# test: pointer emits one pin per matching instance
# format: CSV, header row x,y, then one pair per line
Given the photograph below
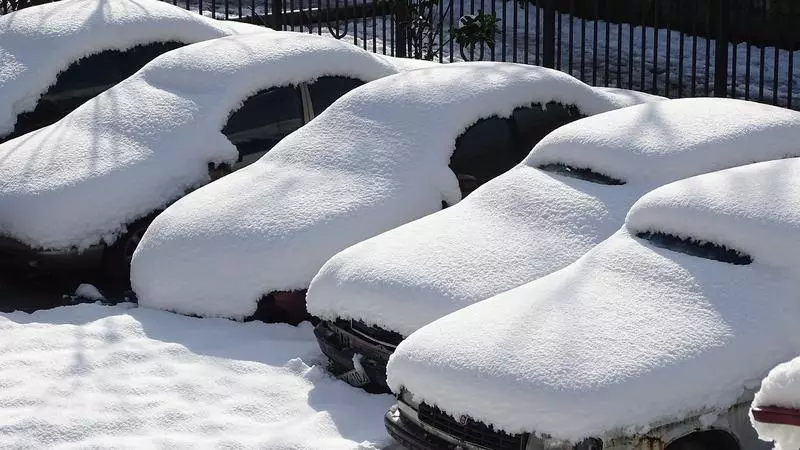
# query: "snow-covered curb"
x,y
94,376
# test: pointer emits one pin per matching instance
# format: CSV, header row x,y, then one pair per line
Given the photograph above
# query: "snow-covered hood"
x,y
38,43
375,159
146,141
780,388
529,223
641,333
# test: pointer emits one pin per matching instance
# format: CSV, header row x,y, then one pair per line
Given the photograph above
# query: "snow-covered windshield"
x,y
584,174
701,249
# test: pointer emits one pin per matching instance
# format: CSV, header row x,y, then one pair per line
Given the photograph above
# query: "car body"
x,y
531,221
775,411
57,56
82,191
382,155
652,339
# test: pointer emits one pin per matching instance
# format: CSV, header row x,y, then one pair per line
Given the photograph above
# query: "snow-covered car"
x,y
384,154
655,338
775,411
571,193
54,57
81,192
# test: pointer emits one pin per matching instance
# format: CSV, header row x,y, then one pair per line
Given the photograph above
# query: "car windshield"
x,y
584,174
708,250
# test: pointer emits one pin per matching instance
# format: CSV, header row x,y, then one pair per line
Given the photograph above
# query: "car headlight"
x,y
408,398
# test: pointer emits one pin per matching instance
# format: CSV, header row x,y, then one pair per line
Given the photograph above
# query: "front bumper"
x,y
341,346
15,254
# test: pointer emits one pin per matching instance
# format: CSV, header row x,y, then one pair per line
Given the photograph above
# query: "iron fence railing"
x,y
677,48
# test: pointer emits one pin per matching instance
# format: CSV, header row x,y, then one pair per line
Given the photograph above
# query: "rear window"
x,y
707,250
327,90
534,122
584,174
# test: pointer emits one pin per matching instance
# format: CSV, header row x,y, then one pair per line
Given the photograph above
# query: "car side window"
x,y
264,119
85,79
708,250
484,151
532,123
327,90
580,173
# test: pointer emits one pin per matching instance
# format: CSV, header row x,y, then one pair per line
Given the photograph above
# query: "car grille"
x,y
471,431
377,334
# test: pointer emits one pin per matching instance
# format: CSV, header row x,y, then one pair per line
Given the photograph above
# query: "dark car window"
x,y
584,174
708,250
326,90
534,122
84,79
264,119
483,152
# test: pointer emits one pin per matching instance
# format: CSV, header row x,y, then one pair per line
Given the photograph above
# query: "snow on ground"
x,y
642,333
39,42
375,159
529,222
91,376
780,388
143,143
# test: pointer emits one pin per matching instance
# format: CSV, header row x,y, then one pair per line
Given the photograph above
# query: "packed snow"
x,y
529,223
89,291
641,333
780,388
375,159
38,43
91,376
146,141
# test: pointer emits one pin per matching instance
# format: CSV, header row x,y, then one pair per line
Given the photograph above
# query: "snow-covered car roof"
x,y
38,43
780,388
146,141
529,222
637,331
375,159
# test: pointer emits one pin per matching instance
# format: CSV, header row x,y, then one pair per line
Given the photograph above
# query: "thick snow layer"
x,y
780,388
529,223
90,376
375,159
641,333
86,290
39,42
146,141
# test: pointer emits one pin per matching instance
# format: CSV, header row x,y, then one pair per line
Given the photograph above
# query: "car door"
x,y
263,120
85,79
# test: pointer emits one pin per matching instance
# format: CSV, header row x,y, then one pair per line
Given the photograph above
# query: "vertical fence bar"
x,y
502,35
594,44
583,49
789,81
775,75
526,35
570,39
655,46
548,34
608,45
384,13
559,28
721,56
494,14
619,54
227,11
668,55
400,20
693,92
643,68
513,32
630,53
538,34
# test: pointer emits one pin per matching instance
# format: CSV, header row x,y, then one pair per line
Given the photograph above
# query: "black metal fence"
x,y
677,48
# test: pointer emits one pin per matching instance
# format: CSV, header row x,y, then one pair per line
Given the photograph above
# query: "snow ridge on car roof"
x,y
39,42
689,137
70,184
754,209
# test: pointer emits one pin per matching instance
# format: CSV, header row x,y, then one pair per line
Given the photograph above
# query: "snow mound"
x,y
375,159
90,376
143,143
627,145
529,223
38,43
86,290
780,388
642,333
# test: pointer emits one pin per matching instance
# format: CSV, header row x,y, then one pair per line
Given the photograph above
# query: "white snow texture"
x,y
641,333
39,42
780,388
90,376
529,223
146,141
375,159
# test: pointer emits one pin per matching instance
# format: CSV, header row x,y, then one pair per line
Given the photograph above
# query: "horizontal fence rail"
x,y
676,48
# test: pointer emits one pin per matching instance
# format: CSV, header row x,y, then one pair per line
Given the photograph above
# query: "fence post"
x,y
400,30
549,34
277,14
722,11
